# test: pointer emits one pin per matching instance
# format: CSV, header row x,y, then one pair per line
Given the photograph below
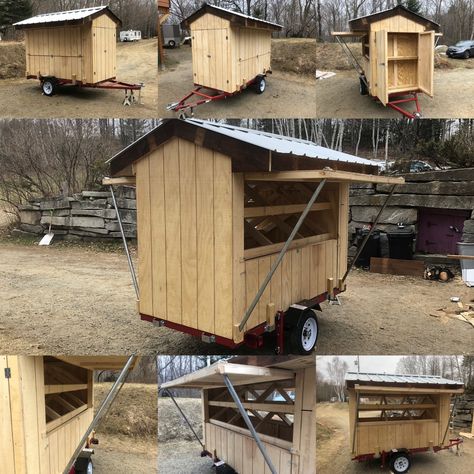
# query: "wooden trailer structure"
x,y
279,396
392,417
217,205
397,56
231,51
46,406
75,47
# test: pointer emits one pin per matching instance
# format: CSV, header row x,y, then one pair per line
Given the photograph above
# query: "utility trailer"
x,y
46,410
75,47
398,48
392,417
130,36
231,51
241,233
259,413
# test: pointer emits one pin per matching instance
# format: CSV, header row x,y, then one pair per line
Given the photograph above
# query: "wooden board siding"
x,y
226,58
104,50
242,453
55,52
84,53
184,202
7,448
303,274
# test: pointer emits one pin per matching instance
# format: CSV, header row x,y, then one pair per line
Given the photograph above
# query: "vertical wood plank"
x,y
343,228
7,449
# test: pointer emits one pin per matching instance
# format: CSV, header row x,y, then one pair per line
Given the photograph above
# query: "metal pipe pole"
x,y
359,251
246,418
183,415
281,255
129,258
104,407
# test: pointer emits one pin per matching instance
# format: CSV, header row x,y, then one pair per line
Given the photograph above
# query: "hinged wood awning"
x,y
96,362
212,376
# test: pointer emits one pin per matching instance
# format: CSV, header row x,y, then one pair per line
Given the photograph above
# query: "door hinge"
x,y
8,373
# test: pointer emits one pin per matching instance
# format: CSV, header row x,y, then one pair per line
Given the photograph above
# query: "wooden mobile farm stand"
x,y
46,408
75,47
397,56
240,233
394,416
231,51
278,394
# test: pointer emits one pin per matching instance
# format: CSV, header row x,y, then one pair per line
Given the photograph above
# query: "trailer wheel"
x,y
304,333
84,466
171,43
261,85
400,463
363,86
49,86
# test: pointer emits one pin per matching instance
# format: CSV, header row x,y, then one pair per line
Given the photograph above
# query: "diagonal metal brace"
x,y
352,59
104,407
165,390
367,237
249,424
125,244
283,251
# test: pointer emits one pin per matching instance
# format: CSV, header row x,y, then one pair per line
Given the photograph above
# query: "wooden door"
x,y
7,461
426,62
382,66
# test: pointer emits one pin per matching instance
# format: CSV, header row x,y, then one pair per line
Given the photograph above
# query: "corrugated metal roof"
x,y
363,377
243,15
71,15
280,143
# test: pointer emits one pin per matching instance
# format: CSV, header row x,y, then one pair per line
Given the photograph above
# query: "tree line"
x,y
331,382
456,17
298,17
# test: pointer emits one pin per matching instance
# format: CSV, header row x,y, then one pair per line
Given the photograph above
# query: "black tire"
x,y
400,462
49,86
84,466
466,54
171,43
304,334
260,85
363,86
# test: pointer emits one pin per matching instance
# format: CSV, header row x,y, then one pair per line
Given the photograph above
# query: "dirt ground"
x,y
288,94
136,63
179,452
333,450
339,97
127,435
79,300
121,455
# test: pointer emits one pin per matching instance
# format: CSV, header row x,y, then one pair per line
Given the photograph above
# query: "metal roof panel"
x,y
399,379
66,16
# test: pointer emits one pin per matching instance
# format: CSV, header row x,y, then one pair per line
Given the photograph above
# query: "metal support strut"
x,y
353,60
163,390
129,258
281,255
249,424
367,237
103,409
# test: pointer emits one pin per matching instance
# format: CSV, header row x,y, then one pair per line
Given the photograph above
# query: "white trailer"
x,y
130,35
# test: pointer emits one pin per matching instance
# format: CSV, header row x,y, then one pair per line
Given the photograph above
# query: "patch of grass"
x,y
323,432
296,55
171,426
12,59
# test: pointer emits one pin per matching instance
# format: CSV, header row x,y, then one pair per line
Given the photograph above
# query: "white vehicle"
x,y
130,35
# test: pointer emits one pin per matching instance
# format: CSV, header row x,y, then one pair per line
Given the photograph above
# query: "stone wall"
x,y
445,189
89,215
464,413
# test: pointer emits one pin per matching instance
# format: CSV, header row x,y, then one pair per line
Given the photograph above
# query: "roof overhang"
x,y
74,22
406,388
239,374
246,157
234,18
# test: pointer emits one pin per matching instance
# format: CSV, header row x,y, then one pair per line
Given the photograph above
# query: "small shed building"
x,y
46,406
77,46
397,50
279,396
398,412
215,205
229,49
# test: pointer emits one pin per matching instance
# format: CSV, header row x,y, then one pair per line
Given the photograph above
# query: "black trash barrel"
x,y
401,245
371,249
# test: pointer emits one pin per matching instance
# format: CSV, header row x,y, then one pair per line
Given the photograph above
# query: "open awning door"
x,y
382,66
97,362
426,62
239,374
